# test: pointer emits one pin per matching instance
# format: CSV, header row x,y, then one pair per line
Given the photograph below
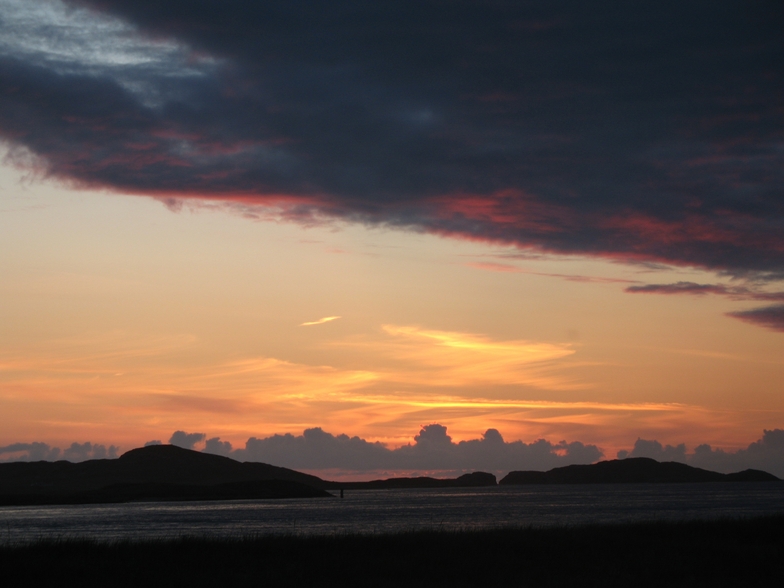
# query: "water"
x,y
383,511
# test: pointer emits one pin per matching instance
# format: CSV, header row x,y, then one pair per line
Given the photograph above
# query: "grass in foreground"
x,y
700,553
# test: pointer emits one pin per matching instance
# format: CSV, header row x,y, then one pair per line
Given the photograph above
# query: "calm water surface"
x,y
382,511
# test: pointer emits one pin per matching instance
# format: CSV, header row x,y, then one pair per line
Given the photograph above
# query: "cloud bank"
x,y
432,449
38,451
648,131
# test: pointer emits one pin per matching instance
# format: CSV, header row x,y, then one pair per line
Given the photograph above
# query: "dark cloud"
x,y
771,317
647,131
734,292
154,442
37,451
766,454
186,440
432,449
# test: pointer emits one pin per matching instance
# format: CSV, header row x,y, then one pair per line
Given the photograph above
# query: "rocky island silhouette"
x,y
633,470
170,473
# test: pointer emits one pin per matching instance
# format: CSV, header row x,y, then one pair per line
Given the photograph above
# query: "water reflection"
x,y
382,511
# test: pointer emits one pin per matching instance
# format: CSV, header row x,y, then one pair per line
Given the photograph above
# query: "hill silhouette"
x,y
167,472
156,472
171,473
632,470
471,480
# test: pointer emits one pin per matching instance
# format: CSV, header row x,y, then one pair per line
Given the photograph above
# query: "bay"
x,y
389,511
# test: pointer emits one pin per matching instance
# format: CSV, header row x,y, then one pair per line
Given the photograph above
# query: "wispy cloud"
x,y
494,267
730,291
771,317
321,321
508,268
453,359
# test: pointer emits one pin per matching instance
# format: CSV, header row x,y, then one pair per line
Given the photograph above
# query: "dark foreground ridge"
x,y
158,472
170,473
700,553
633,470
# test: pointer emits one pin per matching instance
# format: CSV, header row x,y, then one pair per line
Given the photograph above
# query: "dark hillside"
x,y
157,464
640,470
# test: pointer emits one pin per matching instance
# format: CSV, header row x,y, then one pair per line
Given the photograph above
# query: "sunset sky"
x,y
559,220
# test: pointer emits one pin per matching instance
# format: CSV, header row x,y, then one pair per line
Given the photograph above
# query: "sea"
x,y
391,511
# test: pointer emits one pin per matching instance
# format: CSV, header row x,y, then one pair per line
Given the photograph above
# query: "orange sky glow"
x,y
124,321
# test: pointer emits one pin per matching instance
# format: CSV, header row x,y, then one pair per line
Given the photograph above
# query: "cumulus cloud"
x,y
218,447
566,126
765,454
654,450
186,440
432,449
35,451
85,451
154,442
38,451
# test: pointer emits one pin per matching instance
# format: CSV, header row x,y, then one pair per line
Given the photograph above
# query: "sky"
x,y
366,239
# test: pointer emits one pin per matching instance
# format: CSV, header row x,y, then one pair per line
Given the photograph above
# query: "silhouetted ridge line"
x,y
471,480
147,473
167,472
640,470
